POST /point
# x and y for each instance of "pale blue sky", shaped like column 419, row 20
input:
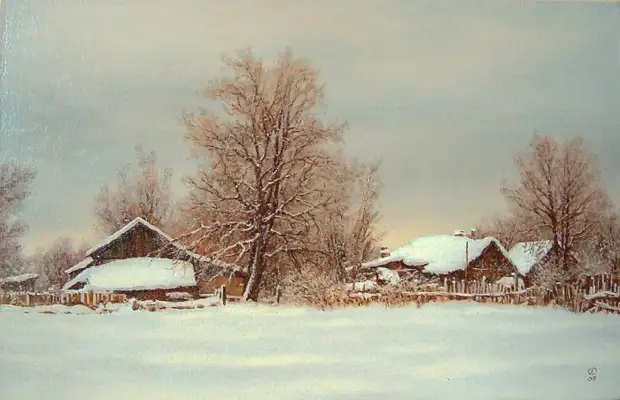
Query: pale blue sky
column 444, row 91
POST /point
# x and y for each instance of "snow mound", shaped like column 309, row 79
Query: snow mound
column 178, row 296
column 509, row 282
column 387, row 275
column 365, row 286
column 136, row 274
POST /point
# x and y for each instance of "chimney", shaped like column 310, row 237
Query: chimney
column 384, row 252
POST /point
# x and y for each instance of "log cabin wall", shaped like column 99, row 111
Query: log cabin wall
column 138, row 242
column 491, row 264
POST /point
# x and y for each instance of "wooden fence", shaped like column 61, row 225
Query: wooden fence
column 90, row 299
column 592, row 294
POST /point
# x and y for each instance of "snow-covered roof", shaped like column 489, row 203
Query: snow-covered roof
column 439, row 254
column 19, row 278
column 525, row 255
column 81, row 265
column 136, row 274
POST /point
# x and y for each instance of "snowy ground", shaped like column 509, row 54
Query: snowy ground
column 454, row 350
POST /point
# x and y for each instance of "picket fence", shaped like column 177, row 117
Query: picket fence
column 90, row 299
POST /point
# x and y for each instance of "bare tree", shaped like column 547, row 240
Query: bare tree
column 561, row 193
column 52, row 263
column 602, row 252
column 510, row 228
column 348, row 235
column 140, row 191
column 14, row 189
column 270, row 161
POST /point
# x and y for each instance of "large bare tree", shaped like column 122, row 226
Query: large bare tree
column 142, row 190
column 15, row 181
column 561, row 193
column 270, row 158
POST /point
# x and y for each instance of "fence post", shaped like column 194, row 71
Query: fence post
column 223, row 294
column 278, row 294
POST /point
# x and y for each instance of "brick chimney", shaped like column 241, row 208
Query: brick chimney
column 384, row 252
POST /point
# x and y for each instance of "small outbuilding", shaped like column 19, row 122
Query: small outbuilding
column 19, row 283
column 532, row 257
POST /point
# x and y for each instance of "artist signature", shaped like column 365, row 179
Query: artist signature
column 592, row 374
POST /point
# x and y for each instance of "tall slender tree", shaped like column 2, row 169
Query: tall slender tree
column 142, row 190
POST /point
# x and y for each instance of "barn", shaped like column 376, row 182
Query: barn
column 140, row 247
column 19, row 283
column 448, row 256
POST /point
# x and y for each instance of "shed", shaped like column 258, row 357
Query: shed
column 531, row 257
column 19, row 283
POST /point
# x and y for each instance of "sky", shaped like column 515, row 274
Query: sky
column 445, row 93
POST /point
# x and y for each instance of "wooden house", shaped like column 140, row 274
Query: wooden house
column 139, row 241
column 19, row 283
column 136, row 239
column 449, row 257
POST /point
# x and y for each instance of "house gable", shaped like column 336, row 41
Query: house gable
column 492, row 264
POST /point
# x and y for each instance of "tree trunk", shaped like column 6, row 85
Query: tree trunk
column 257, row 268
column 252, row 289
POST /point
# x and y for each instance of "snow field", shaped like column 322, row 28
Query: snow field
column 450, row 350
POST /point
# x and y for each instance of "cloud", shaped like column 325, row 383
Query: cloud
column 445, row 92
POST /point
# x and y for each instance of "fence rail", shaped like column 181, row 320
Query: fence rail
column 89, row 299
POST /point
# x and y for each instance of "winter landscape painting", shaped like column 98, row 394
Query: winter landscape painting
column 310, row 199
